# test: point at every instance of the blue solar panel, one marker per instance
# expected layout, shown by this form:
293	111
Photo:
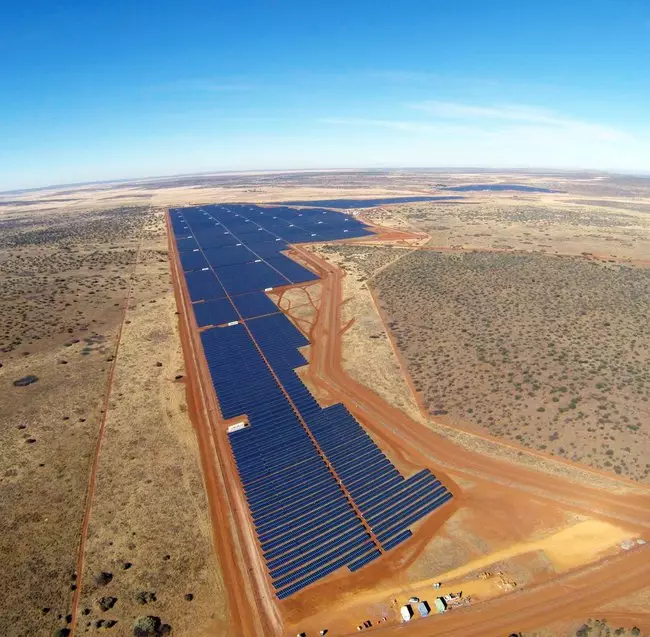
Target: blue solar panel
193	260
362	561
305	524
186	244
325	570
204	285
229	255
397	539
255	304
295	272
214	312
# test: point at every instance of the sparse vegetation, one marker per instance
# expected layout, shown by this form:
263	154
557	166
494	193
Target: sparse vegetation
550	352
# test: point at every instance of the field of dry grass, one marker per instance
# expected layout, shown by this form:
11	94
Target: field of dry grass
551	352
550	224
149	527
64	277
61	308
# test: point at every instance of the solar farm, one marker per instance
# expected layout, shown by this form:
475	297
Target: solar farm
321	495
227	432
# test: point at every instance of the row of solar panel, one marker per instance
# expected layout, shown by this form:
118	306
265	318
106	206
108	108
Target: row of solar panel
260	271
365	559
354	461
220	311
272	524
264	216
326	570
302	517
402	490
281	212
382	495
301	228
293	232
303	510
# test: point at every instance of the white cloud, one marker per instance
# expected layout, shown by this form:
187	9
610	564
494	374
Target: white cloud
400	125
518	113
447	133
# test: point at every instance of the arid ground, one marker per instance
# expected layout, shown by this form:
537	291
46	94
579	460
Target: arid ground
66	277
502	341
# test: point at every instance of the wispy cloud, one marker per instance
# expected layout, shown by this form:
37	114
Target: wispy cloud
205	85
399	125
517	114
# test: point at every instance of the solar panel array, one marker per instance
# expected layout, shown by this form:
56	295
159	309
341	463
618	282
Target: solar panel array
321	494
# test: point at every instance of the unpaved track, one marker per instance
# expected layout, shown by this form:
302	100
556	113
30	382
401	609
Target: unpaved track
254	610
573	596
92	481
585	591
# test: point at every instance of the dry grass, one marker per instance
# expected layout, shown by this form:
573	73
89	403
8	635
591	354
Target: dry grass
552	224
58	325
150	507
64	279
549	352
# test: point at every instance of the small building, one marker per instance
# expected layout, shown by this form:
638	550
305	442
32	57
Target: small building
440	604
424	609
406	612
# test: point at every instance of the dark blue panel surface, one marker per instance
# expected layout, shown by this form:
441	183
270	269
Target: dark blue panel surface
255	304
214	312
299	501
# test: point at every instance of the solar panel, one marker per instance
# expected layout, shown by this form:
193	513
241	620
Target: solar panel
305	523
255	304
214	312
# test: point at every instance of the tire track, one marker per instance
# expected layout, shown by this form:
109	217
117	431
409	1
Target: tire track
92	483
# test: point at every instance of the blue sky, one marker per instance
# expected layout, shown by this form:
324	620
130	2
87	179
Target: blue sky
103	90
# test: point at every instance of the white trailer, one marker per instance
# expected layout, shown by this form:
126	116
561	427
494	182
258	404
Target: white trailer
406	612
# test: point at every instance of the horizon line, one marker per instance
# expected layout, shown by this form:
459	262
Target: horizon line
257	171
